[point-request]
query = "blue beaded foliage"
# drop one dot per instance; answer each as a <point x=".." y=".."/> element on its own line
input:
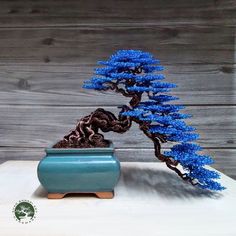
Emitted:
<point x="162" y="118"/>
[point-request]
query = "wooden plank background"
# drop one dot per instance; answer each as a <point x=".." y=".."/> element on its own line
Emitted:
<point x="48" y="48"/>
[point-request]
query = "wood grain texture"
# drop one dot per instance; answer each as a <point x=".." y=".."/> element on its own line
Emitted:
<point x="31" y="13"/>
<point x="62" y="85"/>
<point x="38" y="126"/>
<point x="87" y="44"/>
<point x="47" y="49"/>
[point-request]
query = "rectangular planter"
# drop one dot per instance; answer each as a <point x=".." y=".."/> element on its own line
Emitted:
<point x="79" y="170"/>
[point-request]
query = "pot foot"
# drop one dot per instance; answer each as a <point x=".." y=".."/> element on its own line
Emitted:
<point x="102" y="195"/>
<point x="105" y="195"/>
<point x="56" y="195"/>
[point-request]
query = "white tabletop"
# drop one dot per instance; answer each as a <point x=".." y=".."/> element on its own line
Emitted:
<point x="149" y="200"/>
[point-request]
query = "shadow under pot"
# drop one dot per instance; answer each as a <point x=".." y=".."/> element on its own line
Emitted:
<point x="79" y="170"/>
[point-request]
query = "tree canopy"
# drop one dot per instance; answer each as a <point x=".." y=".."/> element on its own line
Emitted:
<point x="134" y="73"/>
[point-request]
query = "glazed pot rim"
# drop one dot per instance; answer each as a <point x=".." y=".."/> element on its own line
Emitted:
<point x="109" y="149"/>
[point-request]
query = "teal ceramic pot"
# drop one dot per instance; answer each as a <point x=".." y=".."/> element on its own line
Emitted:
<point x="82" y="170"/>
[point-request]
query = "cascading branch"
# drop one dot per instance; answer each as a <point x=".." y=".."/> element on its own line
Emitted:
<point x="135" y="73"/>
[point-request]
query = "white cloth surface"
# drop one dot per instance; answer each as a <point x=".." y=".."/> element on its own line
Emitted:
<point x="149" y="200"/>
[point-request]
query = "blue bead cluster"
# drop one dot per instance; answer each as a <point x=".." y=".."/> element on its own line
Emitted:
<point x="161" y="118"/>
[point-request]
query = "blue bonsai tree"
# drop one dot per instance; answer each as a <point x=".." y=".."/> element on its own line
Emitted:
<point x="136" y="74"/>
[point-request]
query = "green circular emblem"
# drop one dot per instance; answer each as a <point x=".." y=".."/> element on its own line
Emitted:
<point x="24" y="211"/>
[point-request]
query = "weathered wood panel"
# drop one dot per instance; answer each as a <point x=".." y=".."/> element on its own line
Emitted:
<point x="73" y="46"/>
<point x="47" y="49"/>
<point x="162" y="12"/>
<point x="199" y="59"/>
<point x="224" y="159"/>
<point x="62" y="85"/>
<point x="38" y="126"/>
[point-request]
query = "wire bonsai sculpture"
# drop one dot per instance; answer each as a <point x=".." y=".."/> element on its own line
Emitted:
<point x="136" y="74"/>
